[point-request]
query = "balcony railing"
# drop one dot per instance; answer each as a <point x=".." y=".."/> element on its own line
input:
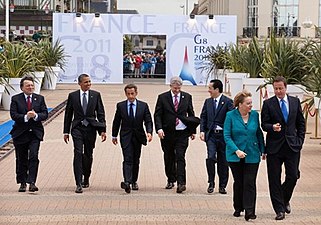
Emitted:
<point x="250" y="32"/>
<point x="26" y="4"/>
<point x="285" y="31"/>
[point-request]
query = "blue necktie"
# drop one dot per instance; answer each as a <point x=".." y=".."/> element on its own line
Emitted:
<point x="284" y="110"/>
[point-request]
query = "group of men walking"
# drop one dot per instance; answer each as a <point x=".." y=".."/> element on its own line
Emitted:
<point x="175" y="122"/>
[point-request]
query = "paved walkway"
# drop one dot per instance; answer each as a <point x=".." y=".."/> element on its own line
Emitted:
<point x="105" y="203"/>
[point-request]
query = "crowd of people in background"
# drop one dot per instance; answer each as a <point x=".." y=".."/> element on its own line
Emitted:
<point x="144" y="65"/>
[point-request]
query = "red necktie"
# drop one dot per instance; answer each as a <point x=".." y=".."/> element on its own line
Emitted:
<point x="176" y="107"/>
<point x="29" y="107"/>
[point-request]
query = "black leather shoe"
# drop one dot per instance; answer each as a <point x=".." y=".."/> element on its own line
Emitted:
<point x="250" y="217"/>
<point x="169" y="185"/>
<point x="85" y="184"/>
<point x="23" y="187"/>
<point x="210" y="188"/>
<point x="287" y="208"/>
<point x="33" y="187"/>
<point x="78" y="189"/>
<point x="125" y="186"/>
<point x="180" y="188"/>
<point x="237" y="213"/>
<point x="222" y="190"/>
<point x="135" y="186"/>
<point x="280" y="216"/>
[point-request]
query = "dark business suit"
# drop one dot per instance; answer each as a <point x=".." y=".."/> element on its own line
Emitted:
<point x="175" y="142"/>
<point x="132" y="135"/>
<point x="84" y="137"/>
<point x="27" y="135"/>
<point x="282" y="147"/>
<point x="214" y="139"/>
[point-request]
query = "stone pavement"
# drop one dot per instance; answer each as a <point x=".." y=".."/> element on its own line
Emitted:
<point x="105" y="203"/>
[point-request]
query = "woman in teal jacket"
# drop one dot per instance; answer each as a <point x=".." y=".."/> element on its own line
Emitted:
<point x="244" y="147"/>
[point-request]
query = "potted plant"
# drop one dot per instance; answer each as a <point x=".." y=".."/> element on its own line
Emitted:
<point x="17" y="60"/>
<point x="39" y="61"/>
<point x="312" y="82"/>
<point x="285" y="57"/>
<point x="54" y="59"/>
<point x="215" y="63"/>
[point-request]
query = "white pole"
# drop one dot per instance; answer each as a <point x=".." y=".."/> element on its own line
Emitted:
<point x="186" y="7"/>
<point x="7" y="20"/>
<point x="89" y="6"/>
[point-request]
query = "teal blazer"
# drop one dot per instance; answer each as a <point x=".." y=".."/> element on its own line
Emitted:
<point x="245" y="137"/>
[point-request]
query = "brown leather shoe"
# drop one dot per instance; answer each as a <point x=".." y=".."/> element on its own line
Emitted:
<point x="180" y="188"/>
<point x="126" y="186"/>
<point x="33" y="187"/>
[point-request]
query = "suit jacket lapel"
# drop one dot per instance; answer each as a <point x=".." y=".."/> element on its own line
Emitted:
<point x="170" y="99"/>
<point x="278" y="108"/>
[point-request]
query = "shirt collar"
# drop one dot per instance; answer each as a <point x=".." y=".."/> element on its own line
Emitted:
<point x="218" y="98"/>
<point x="285" y="99"/>
<point x="178" y="95"/>
<point x="82" y="92"/>
<point x="26" y="96"/>
<point x="134" y="102"/>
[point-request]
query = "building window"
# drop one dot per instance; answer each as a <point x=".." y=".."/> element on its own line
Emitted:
<point x="285" y="17"/>
<point x="252" y="18"/>
<point x="149" y="43"/>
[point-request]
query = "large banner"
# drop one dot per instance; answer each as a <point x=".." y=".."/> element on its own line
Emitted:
<point x="95" y="44"/>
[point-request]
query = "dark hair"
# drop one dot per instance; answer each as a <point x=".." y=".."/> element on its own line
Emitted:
<point x="280" y="79"/>
<point x="130" y="86"/>
<point x="217" y="84"/>
<point x="81" y="76"/>
<point x="27" y="77"/>
<point x="239" y="97"/>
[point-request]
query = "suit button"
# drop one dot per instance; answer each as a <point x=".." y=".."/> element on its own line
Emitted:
<point x="30" y="130"/>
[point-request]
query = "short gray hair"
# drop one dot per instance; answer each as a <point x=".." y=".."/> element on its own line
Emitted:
<point x="176" y="80"/>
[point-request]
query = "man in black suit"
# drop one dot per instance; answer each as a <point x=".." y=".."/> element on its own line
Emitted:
<point x="175" y="122"/>
<point x="27" y="110"/>
<point x="212" y="124"/>
<point x="130" y="117"/>
<point x="284" y="123"/>
<point x="84" y="117"/>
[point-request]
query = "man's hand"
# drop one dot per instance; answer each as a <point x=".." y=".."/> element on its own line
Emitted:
<point x="66" y="138"/>
<point x="103" y="136"/>
<point x="31" y="114"/>
<point x="202" y="136"/>
<point x="114" y="140"/>
<point x="149" y="137"/>
<point x="161" y="134"/>
<point x="193" y="136"/>
<point x="277" y="127"/>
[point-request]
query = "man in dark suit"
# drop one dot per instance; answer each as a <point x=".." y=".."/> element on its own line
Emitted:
<point x="212" y="124"/>
<point x="175" y="122"/>
<point x="84" y="117"/>
<point x="284" y="123"/>
<point x="130" y="117"/>
<point x="27" y="110"/>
